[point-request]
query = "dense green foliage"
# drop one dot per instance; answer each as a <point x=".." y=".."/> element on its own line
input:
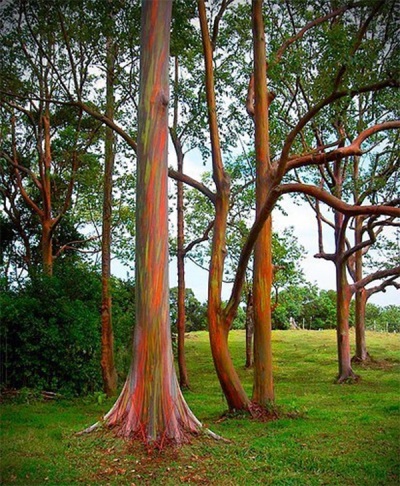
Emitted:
<point x="50" y="331"/>
<point x="306" y="448"/>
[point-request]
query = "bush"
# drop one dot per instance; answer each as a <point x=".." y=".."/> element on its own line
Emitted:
<point x="50" y="332"/>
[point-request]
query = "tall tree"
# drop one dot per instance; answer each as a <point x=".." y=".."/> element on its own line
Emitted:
<point x="109" y="372"/>
<point x="151" y="404"/>
<point x="263" y="387"/>
<point x="219" y="319"/>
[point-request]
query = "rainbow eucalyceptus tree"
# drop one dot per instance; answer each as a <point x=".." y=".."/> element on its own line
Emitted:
<point x="151" y="405"/>
<point x="292" y="152"/>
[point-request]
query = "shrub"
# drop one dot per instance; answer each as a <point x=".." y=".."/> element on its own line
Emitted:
<point x="50" y="332"/>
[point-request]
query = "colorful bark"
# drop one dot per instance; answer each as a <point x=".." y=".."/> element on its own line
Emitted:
<point x="343" y="289"/>
<point x="181" y="320"/>
<point x="343" y="299"/>
<point x="109" y="373"/>
<point x="218" y="320"/>
<point x="361" y="294"/>
<point x="45" y="175"/>
<point x="249" y="330"/>
<point x="151" y="405"/>
<point x="181" y="311"/>
<point x="361" y="354"/>
<point x="263" y="388"/>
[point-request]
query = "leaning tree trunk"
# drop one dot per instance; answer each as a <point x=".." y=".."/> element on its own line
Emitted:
<point x="218" y="322"/>
<point x="263" y="388"/>
<point x="45" y="175"/>
<point x="107" y="338"/>
<point x="151" y="404"/>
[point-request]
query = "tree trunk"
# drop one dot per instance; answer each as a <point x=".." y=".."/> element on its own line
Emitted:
<point x="218" y="322"/>
<point x="362" y="354"/>
<point x="109" y="373"/>
<point x="151" y="405"/>
<point x="181" y="324"/>
<point x="263" y="388"/>
<point x="249" y="330"/>
<point x="343" y="310"/>
<point x="47" y="247"/>
<point x="218" y="325"/>
<point x="45" y="172"/>
<point x="361" y="299"/>
<point x="231" y="385"/>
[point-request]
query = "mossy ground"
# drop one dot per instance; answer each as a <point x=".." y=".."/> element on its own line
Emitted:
<point x="340" y="434"/>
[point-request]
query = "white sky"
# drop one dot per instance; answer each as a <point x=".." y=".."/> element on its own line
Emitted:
<point x="301" y="217"/>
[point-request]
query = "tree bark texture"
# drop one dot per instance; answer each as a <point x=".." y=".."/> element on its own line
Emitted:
<point x="109" y="373"/>
<point x="343" y="299"/>
<point x="151" y="405"/>
<point x="249" y="330"/>
<point x="181" y="324"/>
<point x="218" y="322"/>
<point x="263" y="388"/>
<point x="361" y="354"/>
<point x="46" y="216"/>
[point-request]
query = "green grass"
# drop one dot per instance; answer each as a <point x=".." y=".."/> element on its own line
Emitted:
<point x="343" y="434"/>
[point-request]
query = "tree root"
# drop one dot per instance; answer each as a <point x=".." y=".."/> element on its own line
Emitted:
<point x="348" y="379"/>
<point x="358" y="360"/>
<point x="90" y="429"/>
<point x="157" y="444"/>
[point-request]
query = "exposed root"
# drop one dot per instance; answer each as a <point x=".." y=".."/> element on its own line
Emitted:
<point x="151" y="445"/>
<point x="263" y="413"/>
<point x="215" y="436"/>
<point x="255" y="411"/>
<point x="359" y="360"/>
<point x="90" y="429"/>
<point x="349" y="379"/>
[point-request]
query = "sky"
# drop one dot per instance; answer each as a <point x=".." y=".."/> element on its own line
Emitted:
<point x="301" y="217"/>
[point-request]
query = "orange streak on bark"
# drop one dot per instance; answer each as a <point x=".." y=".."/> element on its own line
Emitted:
<point x="151" y="405"/>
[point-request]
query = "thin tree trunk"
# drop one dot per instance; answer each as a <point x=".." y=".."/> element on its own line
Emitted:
<point x="181" y="314"/>
<point x="181" y="324"/>
<point x="47" y="223"/>
<point x="343" y="310"/>
<point x="263" y="388"/>
<point x="361" y="354"/>
<point x="249" y="330"/>
<point x="218" y="325"/>
<point x="107" y="338"/>
<point x="151" y="404"/>
<point x="47" y="247"/>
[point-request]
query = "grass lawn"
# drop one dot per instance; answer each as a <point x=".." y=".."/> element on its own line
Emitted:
<point x="342" y="435"/>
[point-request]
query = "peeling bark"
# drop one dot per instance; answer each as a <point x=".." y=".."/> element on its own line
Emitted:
<point x="263" y="387"/>
<point x="151" y="405"/>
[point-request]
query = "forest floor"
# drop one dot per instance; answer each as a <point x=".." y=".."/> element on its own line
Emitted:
<point x="329" y="434"/>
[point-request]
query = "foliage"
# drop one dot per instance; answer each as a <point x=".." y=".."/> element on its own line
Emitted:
<point x="309" y="307"/>
<point x="50" y="332"/>
<point x="196" y="312"/>
<point x="383" y="318"/>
